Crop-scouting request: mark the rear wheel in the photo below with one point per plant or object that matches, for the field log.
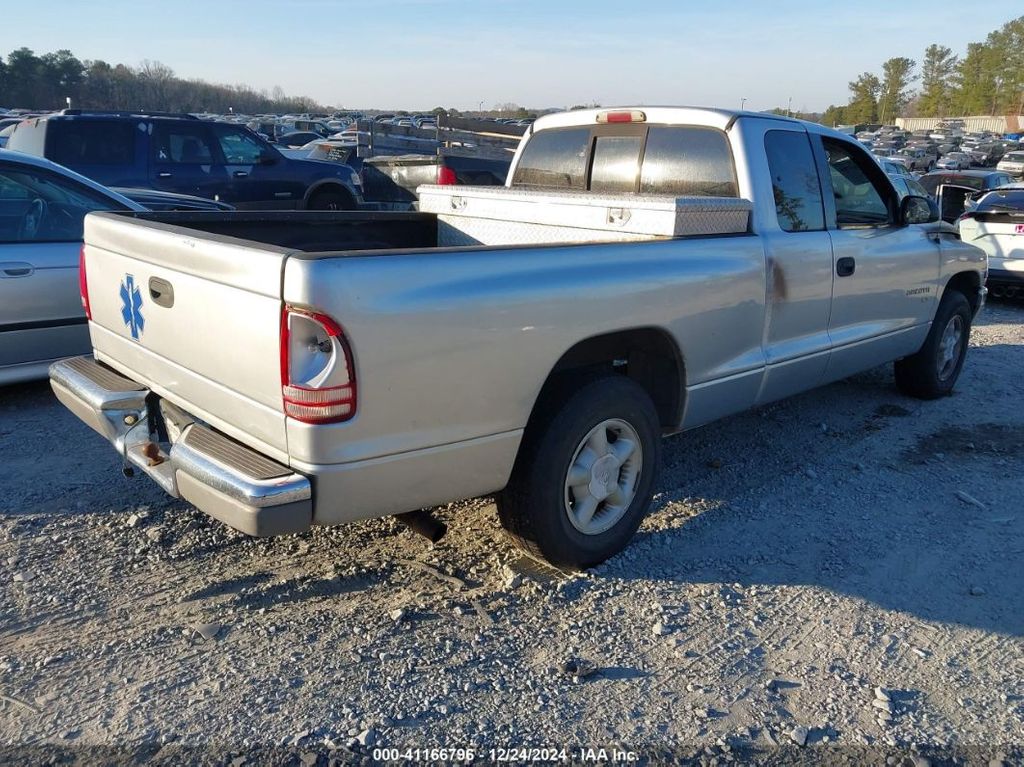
(933, 371)
(584, 475)
(331, 199)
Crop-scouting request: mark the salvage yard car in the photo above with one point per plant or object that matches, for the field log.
(42, 207)
(182, 154)
(643, 272)
(1012, 163)
(996, 225)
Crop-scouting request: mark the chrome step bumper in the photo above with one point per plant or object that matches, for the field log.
(225, 479)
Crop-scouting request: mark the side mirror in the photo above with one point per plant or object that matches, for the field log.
(918, 210)
(268, 157)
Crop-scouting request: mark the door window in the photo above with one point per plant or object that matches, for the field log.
(795, 184)
(239, 147)
(862, 193)
(182, 144)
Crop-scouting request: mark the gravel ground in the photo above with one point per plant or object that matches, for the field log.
(840, 571)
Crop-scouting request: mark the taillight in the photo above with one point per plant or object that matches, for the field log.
(318, 383)
(446, 176)
(83, 283)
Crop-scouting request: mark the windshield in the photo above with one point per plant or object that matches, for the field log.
(1012, 156)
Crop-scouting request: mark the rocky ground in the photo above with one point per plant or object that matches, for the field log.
(837, 576)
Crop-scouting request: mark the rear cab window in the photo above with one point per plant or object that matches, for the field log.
(555, 159)
(636, 158)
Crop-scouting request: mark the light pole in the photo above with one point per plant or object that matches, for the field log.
(742, 102)
(789, 107)
(481, 109)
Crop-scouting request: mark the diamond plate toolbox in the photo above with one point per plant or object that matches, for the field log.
(498, 216)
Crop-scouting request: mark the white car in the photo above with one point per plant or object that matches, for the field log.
(1012, 163)
(996, 225)
(954, 161)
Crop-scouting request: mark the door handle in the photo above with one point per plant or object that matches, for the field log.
(16, 269)
(845, 266)
(163, 174)
(241, 174)
(162, 292)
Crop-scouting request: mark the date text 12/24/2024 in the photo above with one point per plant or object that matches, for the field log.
(512, 754)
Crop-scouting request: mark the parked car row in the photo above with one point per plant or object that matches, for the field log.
(946, 147)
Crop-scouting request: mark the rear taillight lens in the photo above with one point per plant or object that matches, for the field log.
(318, 383)
(446, 176)
(83, 283)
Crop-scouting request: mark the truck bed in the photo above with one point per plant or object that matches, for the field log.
(312, 231)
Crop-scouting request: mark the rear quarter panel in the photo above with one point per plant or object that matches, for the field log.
(454, 345)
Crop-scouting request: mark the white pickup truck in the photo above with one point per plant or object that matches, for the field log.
(646, 271)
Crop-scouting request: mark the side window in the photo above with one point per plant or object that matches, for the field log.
(75, 142)
(795, 184)
(556, 159)
(616, 162)
(38, 206)
(238, 146)
(182, 143)
(900, 184)
(688, 162)
(861, 190)
(913, 187)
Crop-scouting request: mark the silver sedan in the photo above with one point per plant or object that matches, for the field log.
(42, 207)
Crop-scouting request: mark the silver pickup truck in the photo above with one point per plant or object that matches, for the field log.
(286, 370)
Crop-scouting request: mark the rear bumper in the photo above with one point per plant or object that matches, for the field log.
(225, 479)
(1005, 277)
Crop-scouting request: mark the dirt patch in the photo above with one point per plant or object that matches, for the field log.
(983, 439)
(800, 578)
(889, 410)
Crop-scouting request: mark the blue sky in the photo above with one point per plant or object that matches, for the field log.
(418, 54)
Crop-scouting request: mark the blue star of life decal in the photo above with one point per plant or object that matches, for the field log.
(131, 306)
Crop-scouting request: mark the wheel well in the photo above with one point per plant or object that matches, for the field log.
(968, 284)
(649, 356)
(330, 187)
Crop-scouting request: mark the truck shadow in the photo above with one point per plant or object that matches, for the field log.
(885, 502)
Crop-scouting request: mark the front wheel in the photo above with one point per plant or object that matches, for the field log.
(584, 475)
(932, 372)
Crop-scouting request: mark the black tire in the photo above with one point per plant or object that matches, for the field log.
(923, 375)
(331, 199)
(534, 506)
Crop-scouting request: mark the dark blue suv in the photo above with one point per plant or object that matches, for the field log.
(181, 153)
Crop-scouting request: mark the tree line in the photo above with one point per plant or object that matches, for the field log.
(44, 82)
(988, 79)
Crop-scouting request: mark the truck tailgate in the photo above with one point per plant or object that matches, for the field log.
(193, 316)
